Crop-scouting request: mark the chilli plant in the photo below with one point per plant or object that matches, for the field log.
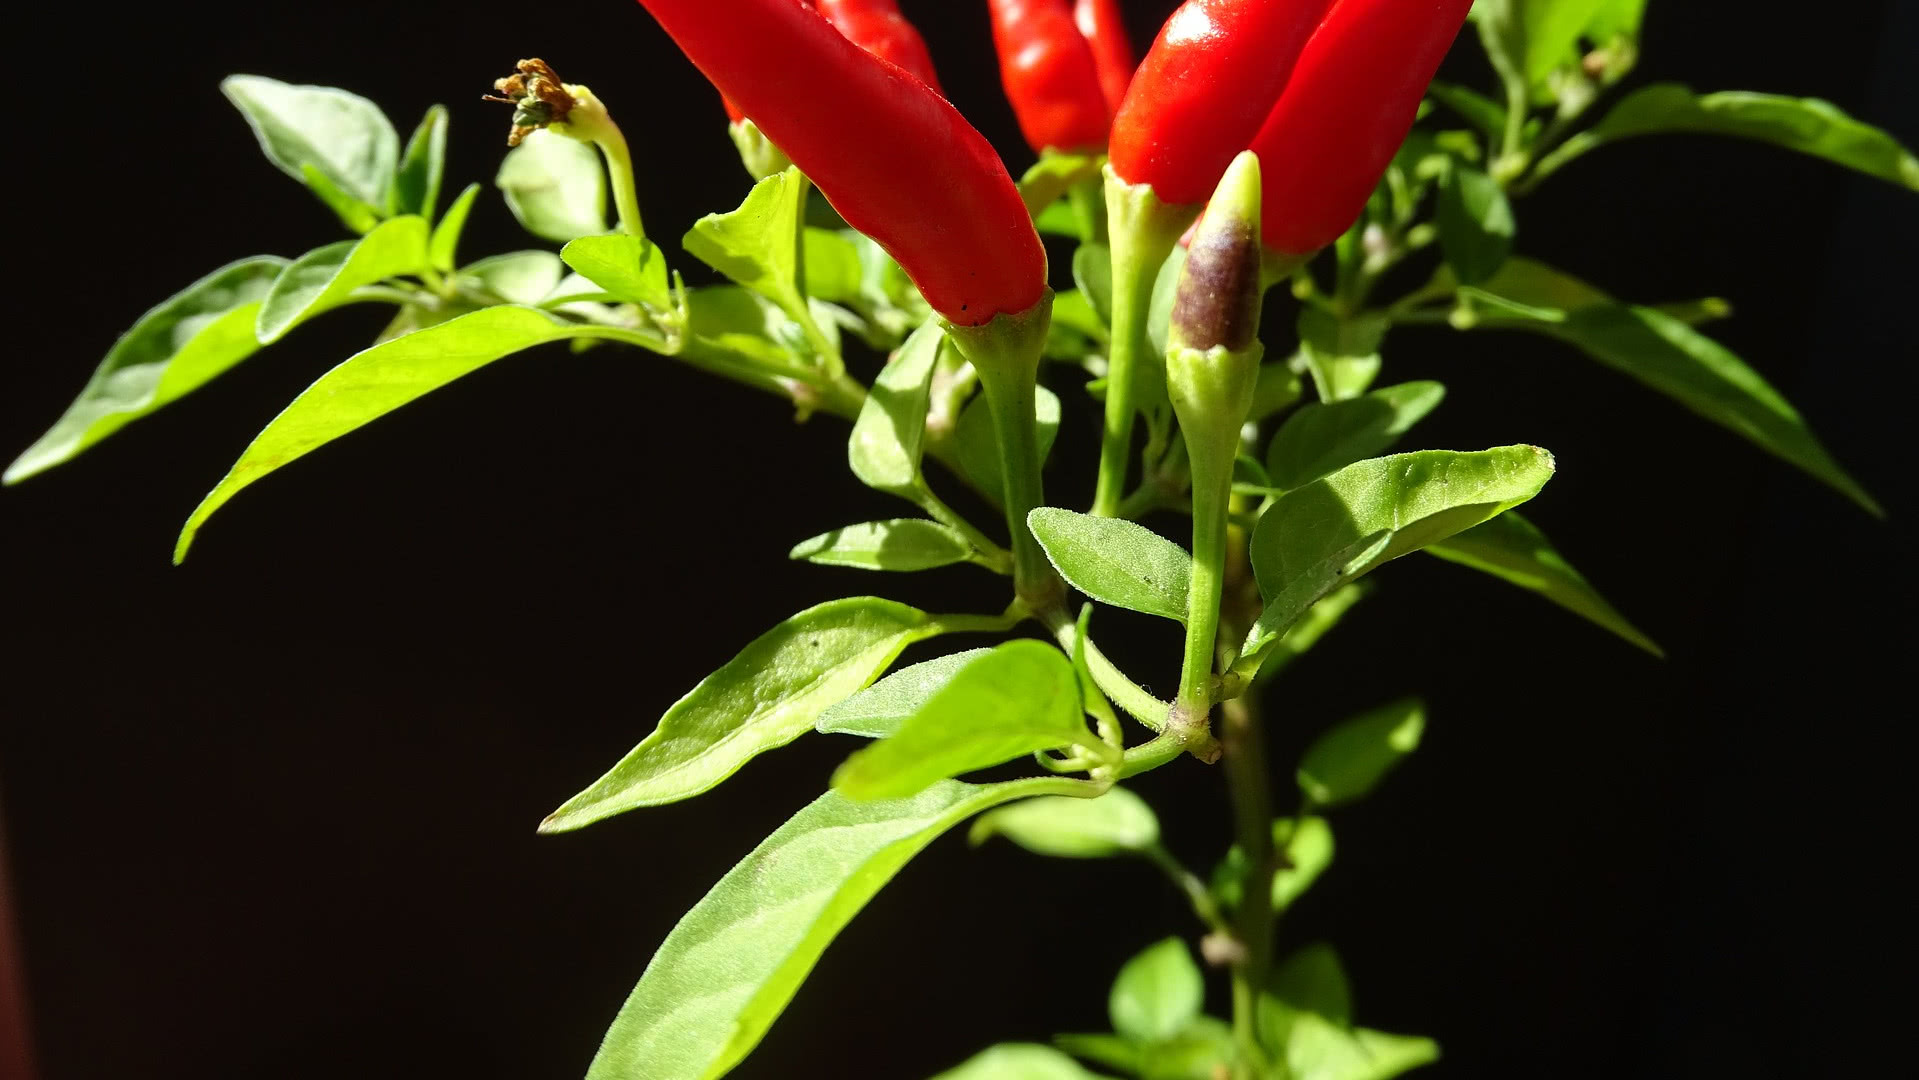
(1293, 125)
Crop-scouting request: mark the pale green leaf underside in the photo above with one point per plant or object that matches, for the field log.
(900, 544)
(1349, 761)
(765, 697)
(517, 277)
(177, 347)
(1115, 562)
(555, 187)
(1324, 436)
(1018, 1061)
(1157, 992)
(345, 137)
(884, 448)
(323, 278)
(1117, 823)
(729, 967)
(878, 711)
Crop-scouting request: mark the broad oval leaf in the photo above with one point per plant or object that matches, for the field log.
(345, 137)
(1018, 1061)
(1476, 224)
(323, 278)
(884, 449)
(767, 696)
(1308, 843)
(1347, 762)
(517, 277)
(1341, 354)
(626, 266)
(758, 246)
(1313, 980)
(1158, 992)
(1316, 1048)
(1117, 823)
(1115, 562)
(1020, 698)
(416, 187)
(555, 187)
(1325, 436)
(1513, 549)
(901, 544)
(177, 347)
(443, 247)
(374, 382)
(979, 443)
(729, 967)
(878, 711)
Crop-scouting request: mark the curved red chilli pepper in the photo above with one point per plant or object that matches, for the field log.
(896, 160)
(878, 27)
(1103, 27)
(1351, 100)
(1049, 74)
(1204, 88)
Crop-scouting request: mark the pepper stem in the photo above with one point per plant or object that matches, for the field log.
(589, 121)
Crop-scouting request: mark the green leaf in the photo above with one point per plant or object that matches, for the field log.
(902, 544)
(1346, 763)
(175, 348)
(1051, 177)
(416, 188)
(1315, 1048)
(443, 248)
(1093, 273)
(1308, 842)
(1322, 437)
(629, 267)
(1159, 315)
(1343, 355)
(1616, 18)
(758, 246)
(1313, 980)
(1482, 112)
(1807, 125)
(1476, 224)
(354, 214)
(884, 449)
(1553, 29)
(1115, 562)
(1018, 1061)
(1117, 823)
(878, 711)
(736, 321)
(1020, 698)
(1203, 1050)
(554, 186)
(1513, 549)
(518, 277)
(1157, 993)
(323, 278)
(767, 696)
(978, 442)
(831, 266)
(374, 382)
(729, 967)
(345, 137)
(1316, 538)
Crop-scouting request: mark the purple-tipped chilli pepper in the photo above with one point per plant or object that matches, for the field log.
(896, 160)
(1050, 75)
(1103, 27)
(1351, 100)
(878, 27)
(1205, 87)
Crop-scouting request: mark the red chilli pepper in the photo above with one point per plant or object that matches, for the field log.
(1050, 75)
(1350, 102)
(1103, 27)
(878, 27)
(1205, 87)
(896, 160)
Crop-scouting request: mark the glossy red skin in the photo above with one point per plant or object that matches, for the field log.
(1101, 24)
(1050, 75)
(878, 27)
(1203, 90)
(1352, 99)
(896, 160)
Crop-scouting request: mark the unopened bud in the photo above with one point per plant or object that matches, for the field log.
(1219, 289)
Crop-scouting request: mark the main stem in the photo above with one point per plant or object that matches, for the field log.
(1247, 779)
(1203, 595)
(1014, 404)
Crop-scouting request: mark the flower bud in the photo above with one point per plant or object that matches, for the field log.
(1213, 350)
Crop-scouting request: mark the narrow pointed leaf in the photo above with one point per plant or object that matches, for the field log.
(555, 187)
(374, 382)
(1513, 549)
(1346, 763)
(884, 449)
(1115, 562)
(1322, 437)
(1117, 823)
(901, 544)
(725, 972)
(767, 696)
(626, 266)
(343, 136)
(416, 188)
(443, 247)
(323, 278)
(1020, 698)
(979, 443)
(1157, 992)
(172, 350)
(878, 711)
(1018, 1061)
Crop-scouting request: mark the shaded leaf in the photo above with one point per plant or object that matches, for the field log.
(354, 214)
(443, 247)
(416, 188)
(1346, 763)
(1476, 224)
(978, 442)
(831, 266)
(345, 137)
(1117, 823)
(1341, 355)
(884, 449)
(554, 186)
(1157, 993)
(1315, 1048)
(902, 544)
(1513, 549)
(1313, 980)
(1115, 562)
(1322, 437)
(1093, 273)
(878, 711)
(323, 278)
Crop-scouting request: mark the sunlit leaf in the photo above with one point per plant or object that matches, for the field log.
(1115, 562)
(1513, 549)
(1117, 823)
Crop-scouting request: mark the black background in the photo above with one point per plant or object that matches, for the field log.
(271, 814)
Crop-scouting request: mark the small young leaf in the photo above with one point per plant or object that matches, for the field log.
(1117, 823)
(1476, 223)
(1018, 1061)
(758, 246)
(626, 266)
(1051, 177)
(1347, 762)
(725, 972)
(979, 443)
(1513, 549)
(1157, 993)
(1322, 437)
(517, 277)
(1020, 698)
(323, 278)
(1313, 980)
(416, 188)
(1315, 1048)
(345, 137)
(884, 449)
(1553, 29)
(374, 382)
(1342, 355)
(555, 187)
(765, 697)
(172, 350)
(1308, 842)
(443, 247)
(901, 544)
(1115, 562)
(878, 711)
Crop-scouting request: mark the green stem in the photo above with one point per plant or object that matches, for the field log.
(1210, 499)
(1188, 882)
(1127, 694)
(1246, 778)
(589, 120)
(997, 558)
